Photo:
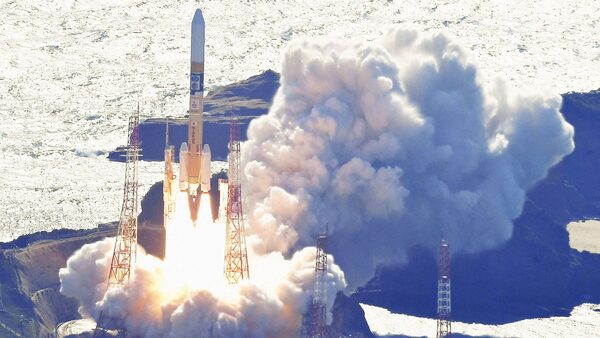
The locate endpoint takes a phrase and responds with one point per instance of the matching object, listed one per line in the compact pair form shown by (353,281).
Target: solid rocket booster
(205,169)
(183,167)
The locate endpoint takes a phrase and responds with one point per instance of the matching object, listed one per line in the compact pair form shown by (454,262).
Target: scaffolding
(125,249)
(314,324)
(318,309)
(236,256)
(169,179)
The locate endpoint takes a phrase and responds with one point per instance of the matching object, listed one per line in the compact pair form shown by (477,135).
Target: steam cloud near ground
(394,143)
(271,304)
(391,143)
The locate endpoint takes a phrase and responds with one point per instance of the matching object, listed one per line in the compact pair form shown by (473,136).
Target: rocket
(194,158)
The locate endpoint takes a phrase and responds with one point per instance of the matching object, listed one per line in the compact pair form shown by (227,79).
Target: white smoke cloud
(85,267)
(269,305)
(393,143)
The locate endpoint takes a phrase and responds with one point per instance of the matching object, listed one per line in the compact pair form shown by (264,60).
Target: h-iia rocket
(194,158)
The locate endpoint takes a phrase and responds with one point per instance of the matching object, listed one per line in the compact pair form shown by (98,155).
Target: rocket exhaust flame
(194,250)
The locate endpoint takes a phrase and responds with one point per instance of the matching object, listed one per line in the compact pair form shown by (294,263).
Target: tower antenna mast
(444,322)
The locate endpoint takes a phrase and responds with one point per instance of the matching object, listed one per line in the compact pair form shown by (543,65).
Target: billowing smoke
(394,143)
(389,144)
(271,304)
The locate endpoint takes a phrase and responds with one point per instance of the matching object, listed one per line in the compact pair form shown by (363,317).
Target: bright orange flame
(211,247)
(193,251)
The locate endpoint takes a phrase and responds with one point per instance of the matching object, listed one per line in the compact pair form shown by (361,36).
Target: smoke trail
(394,143)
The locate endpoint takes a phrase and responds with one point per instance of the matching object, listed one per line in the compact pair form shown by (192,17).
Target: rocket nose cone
(184,147)
(198,18)
(198,34)
(206,149)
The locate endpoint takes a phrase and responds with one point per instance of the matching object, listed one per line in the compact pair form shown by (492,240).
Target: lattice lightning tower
(444,322)
(236,257)
(318,307)
(125,249)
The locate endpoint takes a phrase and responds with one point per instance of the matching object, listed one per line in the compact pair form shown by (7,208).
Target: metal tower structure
(444,322)
(315,321)
(169,180)
(236,256)
(125,249)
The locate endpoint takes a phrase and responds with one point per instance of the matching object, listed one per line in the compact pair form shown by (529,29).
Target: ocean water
(71,72)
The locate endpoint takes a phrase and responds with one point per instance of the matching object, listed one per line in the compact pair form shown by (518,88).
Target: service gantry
(125,249)
(318,309)
(314,323)
(236,256)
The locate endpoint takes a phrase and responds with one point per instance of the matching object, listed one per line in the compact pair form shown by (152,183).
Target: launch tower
(236,256)
(125,249)
(315,321)
(169,180)
(444,323)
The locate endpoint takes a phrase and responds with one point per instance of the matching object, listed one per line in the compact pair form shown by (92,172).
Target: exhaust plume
(271,304)
(394,143)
